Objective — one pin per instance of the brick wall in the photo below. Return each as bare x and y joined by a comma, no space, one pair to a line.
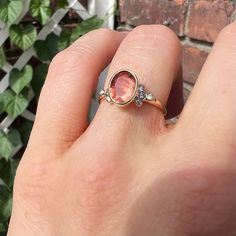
196,22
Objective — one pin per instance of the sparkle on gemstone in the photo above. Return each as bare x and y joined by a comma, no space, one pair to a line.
140,88
122,87
141,95
102,92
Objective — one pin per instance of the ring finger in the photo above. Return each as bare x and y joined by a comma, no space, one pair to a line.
153,53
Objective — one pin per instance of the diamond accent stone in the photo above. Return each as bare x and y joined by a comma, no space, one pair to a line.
141,95
141,88
138,103
150,97
108,99
102,92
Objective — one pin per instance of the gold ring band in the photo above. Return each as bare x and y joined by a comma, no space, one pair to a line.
155,103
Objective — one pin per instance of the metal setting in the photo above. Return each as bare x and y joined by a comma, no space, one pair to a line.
139,95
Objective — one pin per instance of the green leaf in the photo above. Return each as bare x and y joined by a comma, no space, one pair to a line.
14,104
8,170
14,137
10,10
86,26
5,170
14,165
63,4
20,79
8,143
65,39
6,147
5,98
23,36
1,104
41,10
5,203
6,207
46,49
2,58
3,228
25,131
17,105
40,73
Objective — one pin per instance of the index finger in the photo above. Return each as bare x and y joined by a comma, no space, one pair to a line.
72,78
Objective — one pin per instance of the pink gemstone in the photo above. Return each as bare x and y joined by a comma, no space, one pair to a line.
122,87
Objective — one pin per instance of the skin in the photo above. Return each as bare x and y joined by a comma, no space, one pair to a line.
128,172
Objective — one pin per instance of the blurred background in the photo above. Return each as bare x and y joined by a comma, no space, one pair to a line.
32,32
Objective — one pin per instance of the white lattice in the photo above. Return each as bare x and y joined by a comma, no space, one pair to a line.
94,7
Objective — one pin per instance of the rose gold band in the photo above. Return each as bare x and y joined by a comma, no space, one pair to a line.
155,103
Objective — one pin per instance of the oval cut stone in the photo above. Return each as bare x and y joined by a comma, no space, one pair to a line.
122,87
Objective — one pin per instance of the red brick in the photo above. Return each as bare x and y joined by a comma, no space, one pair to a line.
171,13
193,60
208,17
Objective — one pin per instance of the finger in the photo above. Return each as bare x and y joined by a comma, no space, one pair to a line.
153,54
72,78
211,107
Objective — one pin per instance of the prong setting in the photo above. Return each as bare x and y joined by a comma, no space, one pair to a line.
142,96
150,97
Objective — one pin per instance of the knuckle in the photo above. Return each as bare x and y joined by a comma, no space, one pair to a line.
153,29
64,59
103,33
103,179
69,60
59,61
101,172
81,52
158,32
92,38
58,58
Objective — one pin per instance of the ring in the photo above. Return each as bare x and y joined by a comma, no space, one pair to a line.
123,88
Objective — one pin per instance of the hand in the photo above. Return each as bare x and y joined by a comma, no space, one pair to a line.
128,173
